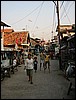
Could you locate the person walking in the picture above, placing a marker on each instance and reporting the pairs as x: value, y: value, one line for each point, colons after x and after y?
x: 42, y: 57
x: 29, y: 67
x: 35, y: 63
x: 47, y: 58
x: 15, y: 63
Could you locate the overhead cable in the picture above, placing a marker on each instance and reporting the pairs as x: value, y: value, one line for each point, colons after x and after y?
x: 61, y: 4
x: 67, y: 16
x: 69, y: 8
x: 37, y: 15
x: 26, y: 15
x: 66, y: 6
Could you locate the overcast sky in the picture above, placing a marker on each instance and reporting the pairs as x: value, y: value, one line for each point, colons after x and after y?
x: 38, y: 17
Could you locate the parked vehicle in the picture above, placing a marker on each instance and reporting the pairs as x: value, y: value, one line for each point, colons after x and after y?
x: 2, y: 72
x: 5, y: 65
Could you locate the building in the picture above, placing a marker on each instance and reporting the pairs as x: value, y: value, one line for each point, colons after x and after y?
x: 6, y: 30
x: 66, y: 30
x: 3, y: 25
x: 67, y: 34
x: 13, y: 40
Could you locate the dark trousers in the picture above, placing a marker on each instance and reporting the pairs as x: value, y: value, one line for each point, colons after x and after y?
x: 47, y: 62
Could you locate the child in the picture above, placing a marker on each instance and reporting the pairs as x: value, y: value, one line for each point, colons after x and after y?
x: 35, y: 64
x: 47, y: 57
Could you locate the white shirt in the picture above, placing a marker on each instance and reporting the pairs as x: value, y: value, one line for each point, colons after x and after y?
x: 14, y: 62
x: 29, y: 63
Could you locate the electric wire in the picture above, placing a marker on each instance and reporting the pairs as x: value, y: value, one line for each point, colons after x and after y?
x: 68, y: 10
x: 37, y: 16
x: 61, y: 4
x: 67, y: 15
x: 66, y: 6
x: 27, y: 15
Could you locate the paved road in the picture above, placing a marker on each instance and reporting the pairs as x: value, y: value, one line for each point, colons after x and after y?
x: 46, y: 85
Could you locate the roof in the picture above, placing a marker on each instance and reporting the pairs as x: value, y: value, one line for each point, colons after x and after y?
x: 4, y: 24
x: 33, y: 41
x: 36, y: 40
x: 7, y: 30
x: 12, y: 38
x: 64, y: 27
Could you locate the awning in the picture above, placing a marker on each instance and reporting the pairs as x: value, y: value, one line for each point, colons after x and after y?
x: 3, y: 24
x: 25, y: 44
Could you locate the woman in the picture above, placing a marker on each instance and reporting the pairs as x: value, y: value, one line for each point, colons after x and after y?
x: 29, y: 67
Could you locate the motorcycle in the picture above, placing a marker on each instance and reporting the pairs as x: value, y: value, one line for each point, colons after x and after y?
x: 5, y: 71
x: 70, y: 70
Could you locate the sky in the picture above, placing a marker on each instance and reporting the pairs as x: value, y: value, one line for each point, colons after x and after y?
x: 37, y: 17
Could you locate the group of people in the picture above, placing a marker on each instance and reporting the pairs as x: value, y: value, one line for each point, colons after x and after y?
x: 45, y: 60
x: 31, y: 63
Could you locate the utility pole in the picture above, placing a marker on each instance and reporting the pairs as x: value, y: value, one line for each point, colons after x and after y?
x: 2, y: 40
x: 58, y: 21
x: 57, y: 7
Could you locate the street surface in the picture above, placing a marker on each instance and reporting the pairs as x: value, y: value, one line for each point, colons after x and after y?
x: 45, y: 85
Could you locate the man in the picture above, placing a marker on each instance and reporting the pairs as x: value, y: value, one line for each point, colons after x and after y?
x: 41, y: 59
x: 29, y: 67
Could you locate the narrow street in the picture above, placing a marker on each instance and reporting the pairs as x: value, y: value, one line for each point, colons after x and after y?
x: 46, y: 30
x: 45, y: 85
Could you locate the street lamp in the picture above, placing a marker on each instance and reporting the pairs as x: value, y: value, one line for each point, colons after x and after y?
x: 30, y: 21
x: 57, y: 8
